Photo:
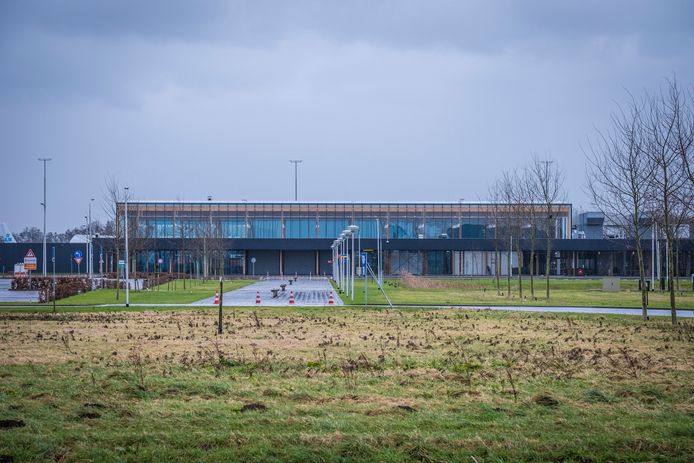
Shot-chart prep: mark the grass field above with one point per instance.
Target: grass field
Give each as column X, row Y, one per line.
column 338, row 384
column 573, row 292
column 195, row 290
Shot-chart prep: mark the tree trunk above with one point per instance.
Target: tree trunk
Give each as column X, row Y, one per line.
column 671, row 283
column 508, row 273
column 548, row 263
column 520, row 271
column 642, row 278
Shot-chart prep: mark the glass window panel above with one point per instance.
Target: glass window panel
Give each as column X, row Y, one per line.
column 163, row 228
column 265, row 228
column 402, row 228
column 368, row 228
column 331, row 227
column 299, row 227
column 233, row 228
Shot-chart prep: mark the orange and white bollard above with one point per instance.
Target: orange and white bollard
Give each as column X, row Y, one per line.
column 216, row 298
column 257, row 298
column 331, row 301
column 291, row 297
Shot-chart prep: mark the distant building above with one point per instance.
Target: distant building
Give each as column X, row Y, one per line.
column 422, row 238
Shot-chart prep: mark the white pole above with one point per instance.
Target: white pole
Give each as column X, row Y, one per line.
column 351, row 289
column 378, row 250
column 91, row 245
column 44, row 160
column 127, row 273
column 354, row 229
column 86, row 257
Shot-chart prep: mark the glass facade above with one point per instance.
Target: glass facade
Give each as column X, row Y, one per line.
column 327, row 220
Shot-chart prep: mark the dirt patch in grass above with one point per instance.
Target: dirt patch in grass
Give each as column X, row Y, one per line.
column 9, row 423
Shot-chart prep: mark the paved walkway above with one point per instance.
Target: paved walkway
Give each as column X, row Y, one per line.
column 16, row 296
column 307, row 292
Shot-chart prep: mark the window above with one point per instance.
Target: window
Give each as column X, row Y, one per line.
column 265, row 228
column 303, row 227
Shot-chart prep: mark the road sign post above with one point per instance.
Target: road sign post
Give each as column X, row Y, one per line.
column 77, row 257
column 30, row 260
column 30, row 263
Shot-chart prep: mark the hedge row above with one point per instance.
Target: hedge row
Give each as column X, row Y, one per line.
column 71, row 286
column 64, row 286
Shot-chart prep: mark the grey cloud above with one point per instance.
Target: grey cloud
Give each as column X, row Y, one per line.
column 392, row 100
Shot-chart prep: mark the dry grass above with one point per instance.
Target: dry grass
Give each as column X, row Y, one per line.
column 340, row 384
column 529, row 344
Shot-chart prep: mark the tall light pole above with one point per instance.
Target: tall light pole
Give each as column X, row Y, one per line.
column 296, row 163
column 353, row 230
column 44, row 160
column 90, row 258
column 86, row 260
column 348, row 285
column 127, row 277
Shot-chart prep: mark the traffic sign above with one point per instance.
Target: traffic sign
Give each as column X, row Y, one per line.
column 121, row 264
column 77, row 254
column 77, row 260
column 30, row 260
column 253, row 260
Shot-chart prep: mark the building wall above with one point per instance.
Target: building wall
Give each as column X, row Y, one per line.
column 299, row 262
column 267, row 262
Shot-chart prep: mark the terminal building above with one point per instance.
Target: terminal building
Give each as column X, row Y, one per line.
column 209, row 238
column 422, row 238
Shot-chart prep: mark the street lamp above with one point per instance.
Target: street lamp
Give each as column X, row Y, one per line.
column 296, row 163
column 347, row 234
column 44, row 160
column 353, row 229
column 86, row 246
column 90, row 256
column 127, row 276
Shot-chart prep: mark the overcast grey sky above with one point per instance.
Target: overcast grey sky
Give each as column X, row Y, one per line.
column 383, row 100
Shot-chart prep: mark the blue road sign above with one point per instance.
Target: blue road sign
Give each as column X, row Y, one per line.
column 77, row 254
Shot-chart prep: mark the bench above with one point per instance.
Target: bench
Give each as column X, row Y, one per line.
column 274, row 292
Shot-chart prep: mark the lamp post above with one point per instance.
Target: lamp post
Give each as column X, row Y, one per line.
column 342, row 261
column 336, row 263
column 90, row 258
column 44, row 160
column 296, row 163
column 86, row 246
column 353, row 230
column 127, row 276
column 348, row 234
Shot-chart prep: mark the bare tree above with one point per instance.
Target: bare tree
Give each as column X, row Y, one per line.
column 114, row 195
column 511, row 186
column 495, row 215
column 671, row 193
column 681, row 105
column 619, row 177
column 529, row 193
column 548, row 179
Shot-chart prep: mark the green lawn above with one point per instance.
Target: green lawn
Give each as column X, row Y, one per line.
column 164, row 294
column 572, row 292
column 339, row 384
